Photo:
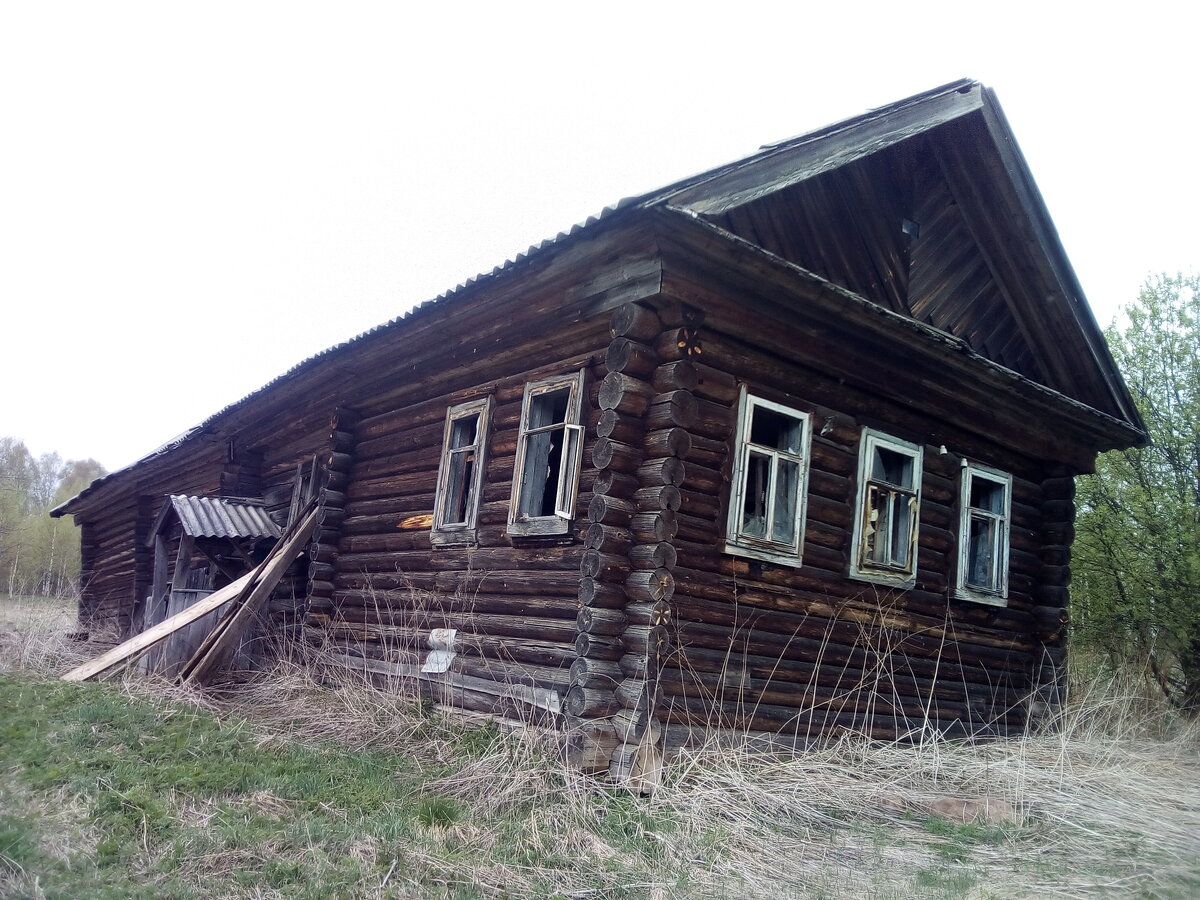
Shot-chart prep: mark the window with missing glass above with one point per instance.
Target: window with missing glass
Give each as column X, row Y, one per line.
column 984, row 510
column 460, row 475
column 888, row 510
column 769, row 481
column 549, row 457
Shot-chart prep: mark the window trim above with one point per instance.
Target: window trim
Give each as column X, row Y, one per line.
column 445, row 533
column 738, row 543
column 865, row 570
column 570, row 463
column 963, row 590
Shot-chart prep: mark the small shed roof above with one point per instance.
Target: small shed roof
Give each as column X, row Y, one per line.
column 218, row 517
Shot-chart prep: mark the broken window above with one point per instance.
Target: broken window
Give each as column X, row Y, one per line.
column 460, row 476
column 766, row 509
column 985, row 503
column 549, row 457
column 888, row 511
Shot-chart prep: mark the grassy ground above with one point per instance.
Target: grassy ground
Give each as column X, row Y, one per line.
column 288, row 786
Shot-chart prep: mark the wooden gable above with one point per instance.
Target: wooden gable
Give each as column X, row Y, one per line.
column 888, row 228
column 927, row 209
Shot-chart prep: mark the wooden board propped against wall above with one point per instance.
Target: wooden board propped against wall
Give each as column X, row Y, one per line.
column 247, row 590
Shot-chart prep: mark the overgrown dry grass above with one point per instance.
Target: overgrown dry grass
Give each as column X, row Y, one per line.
column 1106, row 804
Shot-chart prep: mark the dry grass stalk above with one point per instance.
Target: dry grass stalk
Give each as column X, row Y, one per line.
column 1107, row 802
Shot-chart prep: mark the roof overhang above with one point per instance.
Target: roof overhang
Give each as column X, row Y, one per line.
column 771, row 288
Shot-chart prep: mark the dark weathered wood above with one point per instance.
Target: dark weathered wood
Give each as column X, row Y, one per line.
column 631, row 358
column 595, row 646
column 653, row 556
column 657, row 497
column 650, row 586
column 602, row 566
column 653, row 527
column 616, row 484
column 608, row 510
column 667, row 442
column 595, row 620
column 589, row 702
column 674, row 408
column 608, row 539
column 678, row 375
column 635, row 322
column 679, row 343
column 665, row 471
column 625, row 395
column 599, row 593
column 610, row 454
column 595, row 673
column 623, row 428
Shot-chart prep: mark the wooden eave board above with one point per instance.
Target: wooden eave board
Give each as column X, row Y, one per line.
column 774, row 288
column 1069, row 294
column 823, row 151
column 610, row 264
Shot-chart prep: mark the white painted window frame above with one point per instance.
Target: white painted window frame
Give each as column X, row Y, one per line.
column 996, row 592
column 737, row 542
column 448, row 533
column 570, row 460
column 862, row 568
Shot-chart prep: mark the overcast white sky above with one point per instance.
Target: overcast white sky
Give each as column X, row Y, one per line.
column 195, row 197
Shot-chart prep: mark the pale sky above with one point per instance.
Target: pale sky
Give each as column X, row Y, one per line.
column 195, row 197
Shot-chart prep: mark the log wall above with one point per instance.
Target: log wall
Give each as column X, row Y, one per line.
column 806, row 651
column 512, row 601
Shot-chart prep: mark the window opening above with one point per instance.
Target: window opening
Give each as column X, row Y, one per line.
column 983, row 534
column 769, row 479
column 887, row 517
column 549, row 457
column 460, row 476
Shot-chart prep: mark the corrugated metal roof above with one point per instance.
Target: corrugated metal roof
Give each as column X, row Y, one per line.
column 627, row 205
column 217, row 517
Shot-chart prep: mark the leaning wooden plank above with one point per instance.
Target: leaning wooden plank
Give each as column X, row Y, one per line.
column 218, row 630
column 163, row 629
column 212, row 653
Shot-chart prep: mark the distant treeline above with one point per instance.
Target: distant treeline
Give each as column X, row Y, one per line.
column 39, row 555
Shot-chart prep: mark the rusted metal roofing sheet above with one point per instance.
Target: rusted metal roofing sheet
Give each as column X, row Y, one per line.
column 217, row 517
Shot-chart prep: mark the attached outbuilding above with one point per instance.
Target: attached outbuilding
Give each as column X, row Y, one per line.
column 787, row 447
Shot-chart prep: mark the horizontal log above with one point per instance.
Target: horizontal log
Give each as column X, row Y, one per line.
column 596, row 646
column 628, row 396
column 631, row 358
column 660, row 555
column 608, row 539
column 714, row 385
column 661, row 472
column 603, row 566
column 657, row 497
column 615, row 484
column 667, row 442
column 610, row 454
column 613, row 511
column 626, row 429
column 594, row 620
column 609, row 595
column 675, row 409
column 650, row 586
column 652, row 527
column 679, row 343
column 589, row 702
column 677, row 375
column 635, row 322
column 596, row 673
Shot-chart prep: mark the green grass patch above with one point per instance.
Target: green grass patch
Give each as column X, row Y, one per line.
column 169, row 787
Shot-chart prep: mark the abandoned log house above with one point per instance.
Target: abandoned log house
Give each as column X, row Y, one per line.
column 785, row 447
